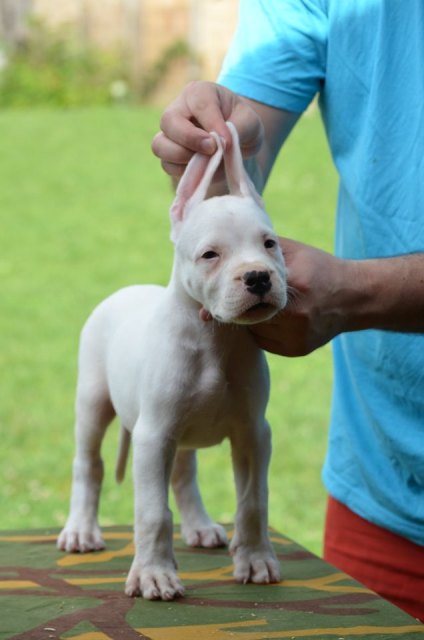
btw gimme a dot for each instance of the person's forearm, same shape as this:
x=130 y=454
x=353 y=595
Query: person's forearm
x=277 y=125
x=385 y=293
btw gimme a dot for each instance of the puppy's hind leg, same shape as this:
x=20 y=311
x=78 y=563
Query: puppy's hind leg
x=198 y=529
x=94 y=412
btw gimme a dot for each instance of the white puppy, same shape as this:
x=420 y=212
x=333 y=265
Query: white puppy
x=179 y=383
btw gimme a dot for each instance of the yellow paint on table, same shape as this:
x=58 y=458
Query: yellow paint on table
x=227 y=631
x=18 y=584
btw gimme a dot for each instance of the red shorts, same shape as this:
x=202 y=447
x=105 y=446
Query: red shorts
x=384 y=562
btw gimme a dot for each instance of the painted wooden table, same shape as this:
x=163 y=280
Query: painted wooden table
x=47 y=594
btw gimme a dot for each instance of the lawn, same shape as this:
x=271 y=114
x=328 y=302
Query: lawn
x=83 y=210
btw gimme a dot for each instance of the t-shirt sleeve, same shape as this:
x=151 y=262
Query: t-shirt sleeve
x=278 y=54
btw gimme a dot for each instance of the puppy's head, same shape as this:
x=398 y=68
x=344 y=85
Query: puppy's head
x=228 y=257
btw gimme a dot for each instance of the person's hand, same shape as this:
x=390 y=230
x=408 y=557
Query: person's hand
x=203 y=107
x=314 y=313
x=329 y=296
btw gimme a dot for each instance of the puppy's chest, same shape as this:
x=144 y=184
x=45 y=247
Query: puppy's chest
x=207 y=383
x=207 y=410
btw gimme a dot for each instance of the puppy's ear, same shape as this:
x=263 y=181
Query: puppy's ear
x=194 y=184
x=239 y=182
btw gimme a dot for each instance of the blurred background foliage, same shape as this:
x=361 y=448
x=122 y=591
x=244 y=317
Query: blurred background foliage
x=53 y=69
x=57 y=69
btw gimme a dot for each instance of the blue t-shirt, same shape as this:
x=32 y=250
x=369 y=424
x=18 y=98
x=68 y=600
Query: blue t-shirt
x=365 y=58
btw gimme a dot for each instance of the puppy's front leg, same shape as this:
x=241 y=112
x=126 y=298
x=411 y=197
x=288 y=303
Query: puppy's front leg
x=254 y=558
x=153 y=571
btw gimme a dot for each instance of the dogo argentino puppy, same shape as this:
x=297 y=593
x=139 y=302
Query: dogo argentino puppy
x=178 y=382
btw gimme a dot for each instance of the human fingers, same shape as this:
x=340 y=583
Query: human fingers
x=175 y=161
x=203 y=107
x=287 y=334
x=186 y=125
x=212 y=105
x=174 y=158
x=200 y=108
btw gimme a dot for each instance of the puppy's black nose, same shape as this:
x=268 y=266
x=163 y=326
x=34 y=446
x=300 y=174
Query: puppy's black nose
x=257 y=282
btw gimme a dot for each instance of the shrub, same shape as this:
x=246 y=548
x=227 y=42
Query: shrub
x=57 y=69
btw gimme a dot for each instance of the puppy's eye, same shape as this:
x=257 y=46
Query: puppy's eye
x=269 y=244
x=209 y=255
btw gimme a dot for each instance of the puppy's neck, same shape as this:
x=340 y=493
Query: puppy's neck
x=181 y=301
x=180 y=296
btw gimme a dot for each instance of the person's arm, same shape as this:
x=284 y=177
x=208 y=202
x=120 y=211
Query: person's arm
x=277 y=125
x=329 y=296
x=205 y=106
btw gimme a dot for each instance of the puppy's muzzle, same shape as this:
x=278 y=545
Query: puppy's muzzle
x=257 y=282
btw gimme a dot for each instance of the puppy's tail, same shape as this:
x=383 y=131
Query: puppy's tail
x=124 y=447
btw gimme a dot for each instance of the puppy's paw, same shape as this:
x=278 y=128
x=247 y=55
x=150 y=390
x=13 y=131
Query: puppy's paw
x=153 y=583
x=260 y=566
x=209 y=536
x=80 y=540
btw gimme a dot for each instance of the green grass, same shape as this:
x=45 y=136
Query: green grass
x=83 y=209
